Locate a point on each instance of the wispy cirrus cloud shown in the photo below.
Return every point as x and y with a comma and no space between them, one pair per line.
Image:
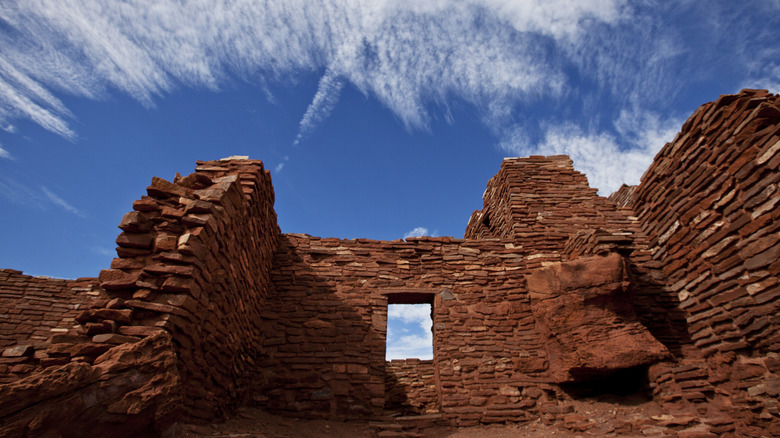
103,251
486,52
21,189
528,67
278,168
4,153
324,101
56,200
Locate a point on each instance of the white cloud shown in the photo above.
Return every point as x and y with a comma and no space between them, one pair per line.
411,313
407,55
4,153
19,99
103,251
599,156
560,19
417,232
278,168
416,344
412,346
323,103
606,159
56,200
767,76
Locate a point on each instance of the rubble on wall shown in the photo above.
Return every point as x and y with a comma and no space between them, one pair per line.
194,260
541,201
131,390
624,196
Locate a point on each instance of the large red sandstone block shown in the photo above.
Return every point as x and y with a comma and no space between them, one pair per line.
591,326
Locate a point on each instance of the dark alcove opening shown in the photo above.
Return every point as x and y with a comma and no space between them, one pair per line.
627,386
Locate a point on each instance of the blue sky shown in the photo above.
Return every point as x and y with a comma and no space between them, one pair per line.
378,119
409,331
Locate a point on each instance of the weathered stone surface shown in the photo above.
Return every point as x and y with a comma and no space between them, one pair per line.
592,328
135,240
410,387
115,279
162,189
18,351
139,382
113,338
135,222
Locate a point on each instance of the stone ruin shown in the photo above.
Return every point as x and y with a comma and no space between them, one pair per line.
669,287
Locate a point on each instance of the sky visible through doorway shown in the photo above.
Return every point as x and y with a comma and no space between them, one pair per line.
409,331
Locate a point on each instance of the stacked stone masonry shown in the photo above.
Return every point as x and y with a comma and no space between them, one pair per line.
709,206
671,286
194,259
542,202
36,310
329,313
410,387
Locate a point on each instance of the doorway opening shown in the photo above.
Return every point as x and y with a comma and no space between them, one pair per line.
409,331
410,382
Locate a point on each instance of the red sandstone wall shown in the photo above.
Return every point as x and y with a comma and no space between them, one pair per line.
624,196
327,315
34,310
178,328
194,259
548,208
410,387
709,205
542,202
132,390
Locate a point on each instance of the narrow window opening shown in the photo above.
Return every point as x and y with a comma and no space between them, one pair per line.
409,334
486,220
410,383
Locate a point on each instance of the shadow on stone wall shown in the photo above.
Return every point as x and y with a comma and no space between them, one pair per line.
324,355
658,308
410,387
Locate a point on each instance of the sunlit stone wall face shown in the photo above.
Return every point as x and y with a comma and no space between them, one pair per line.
710,206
